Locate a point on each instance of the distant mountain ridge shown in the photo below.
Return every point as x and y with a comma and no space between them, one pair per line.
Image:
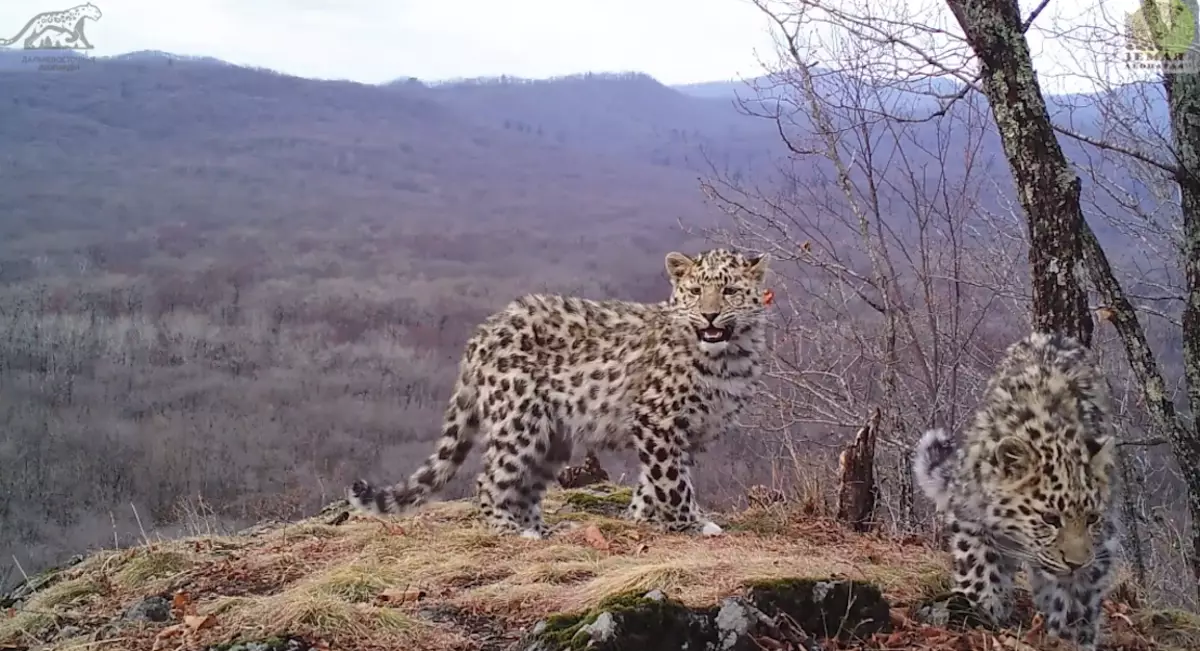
202,107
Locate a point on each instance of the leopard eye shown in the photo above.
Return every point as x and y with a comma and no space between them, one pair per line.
695,291
1052,519
729,291
1093,518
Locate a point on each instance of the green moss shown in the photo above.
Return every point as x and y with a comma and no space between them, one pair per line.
613,501
644,623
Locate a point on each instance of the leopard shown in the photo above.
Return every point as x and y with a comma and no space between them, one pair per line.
1028,483
548,372
65,26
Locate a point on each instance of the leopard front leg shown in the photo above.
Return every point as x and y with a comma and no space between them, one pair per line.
982,573
665,495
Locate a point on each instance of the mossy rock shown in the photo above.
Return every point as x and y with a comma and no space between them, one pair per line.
634,621
630,621
604,499
827,608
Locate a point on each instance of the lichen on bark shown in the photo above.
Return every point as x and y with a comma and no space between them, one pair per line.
1047,188
1183,100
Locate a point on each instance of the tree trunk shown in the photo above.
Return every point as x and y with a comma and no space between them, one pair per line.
857,490
1047,188
1183,99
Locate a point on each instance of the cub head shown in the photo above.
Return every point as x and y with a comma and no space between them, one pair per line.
717,293
1050,495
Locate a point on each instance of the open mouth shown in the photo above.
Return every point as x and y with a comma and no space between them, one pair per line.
714,335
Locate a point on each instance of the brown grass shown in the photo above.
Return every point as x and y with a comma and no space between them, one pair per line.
359,581
371,583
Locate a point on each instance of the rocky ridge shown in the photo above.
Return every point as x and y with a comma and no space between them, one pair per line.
437,580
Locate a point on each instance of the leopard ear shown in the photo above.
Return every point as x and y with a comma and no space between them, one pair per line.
1015,458
1102,453
678,265
756,268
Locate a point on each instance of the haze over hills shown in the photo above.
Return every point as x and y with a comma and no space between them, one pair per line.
227,282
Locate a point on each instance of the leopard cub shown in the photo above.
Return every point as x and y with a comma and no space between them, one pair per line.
549,372
1028,483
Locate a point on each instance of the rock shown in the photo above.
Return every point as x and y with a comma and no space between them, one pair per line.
950,610
150,609
740,625
438,614
826,608
601,630
269,644
67,632
34,584
629,622
791,613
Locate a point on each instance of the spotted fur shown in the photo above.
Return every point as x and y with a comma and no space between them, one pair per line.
549,372
1029,484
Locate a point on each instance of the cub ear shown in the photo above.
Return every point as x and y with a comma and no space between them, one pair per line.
678,265
756,267
1102,453
1015,458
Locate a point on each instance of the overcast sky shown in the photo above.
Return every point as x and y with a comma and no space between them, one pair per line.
675,41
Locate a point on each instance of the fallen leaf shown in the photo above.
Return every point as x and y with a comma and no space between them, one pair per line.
401,595
1106,313
768,297
160,640
181,604
1035,629
1012,643
593,537
196,622
642,549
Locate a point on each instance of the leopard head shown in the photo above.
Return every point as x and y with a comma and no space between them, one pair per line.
1050,496
718,294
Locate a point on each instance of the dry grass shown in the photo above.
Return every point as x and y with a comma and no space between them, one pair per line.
371,584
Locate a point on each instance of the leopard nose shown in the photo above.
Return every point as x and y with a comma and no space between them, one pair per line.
711,316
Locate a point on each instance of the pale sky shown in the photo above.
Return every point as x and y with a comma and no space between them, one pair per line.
675,41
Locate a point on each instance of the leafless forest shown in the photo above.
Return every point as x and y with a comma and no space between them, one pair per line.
226,293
